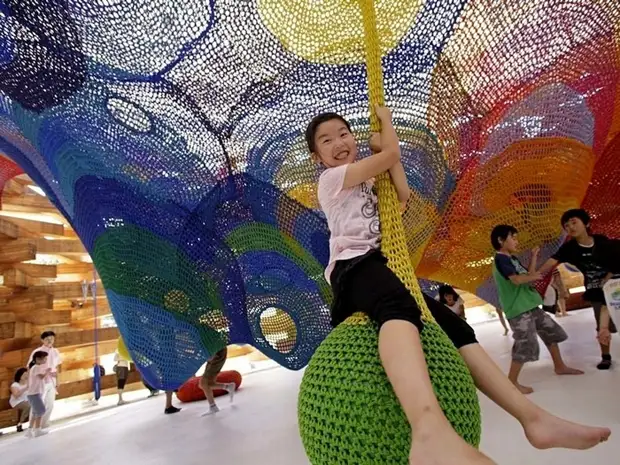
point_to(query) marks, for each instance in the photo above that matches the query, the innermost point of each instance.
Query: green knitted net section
(348, 412)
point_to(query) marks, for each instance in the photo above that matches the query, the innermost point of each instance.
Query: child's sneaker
(213, 409)
(40, 432)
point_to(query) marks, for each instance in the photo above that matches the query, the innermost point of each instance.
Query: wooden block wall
(36, 296)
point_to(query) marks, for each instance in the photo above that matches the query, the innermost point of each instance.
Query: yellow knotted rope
(393, 242)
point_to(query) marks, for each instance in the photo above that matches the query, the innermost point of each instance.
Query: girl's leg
(542, 429)
(374, 289)
(434, 440)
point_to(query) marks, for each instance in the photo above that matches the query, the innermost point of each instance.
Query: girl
(36, 388)
(449, 297)
(19, 397)
(362, 281)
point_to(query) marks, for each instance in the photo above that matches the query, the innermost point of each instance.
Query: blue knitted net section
(170, 135)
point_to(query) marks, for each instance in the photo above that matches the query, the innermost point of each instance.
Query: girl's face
(335, 145)
(41, 361)
(450, 299)
(24, 377)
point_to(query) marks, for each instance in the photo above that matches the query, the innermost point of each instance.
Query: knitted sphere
(348, 412)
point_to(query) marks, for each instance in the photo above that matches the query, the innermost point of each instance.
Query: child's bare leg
(228, 387)
(434, 440)
(542, 429)
(560, 367)
(206, 388)
(562, 307)
(513, 376)
(502, 320)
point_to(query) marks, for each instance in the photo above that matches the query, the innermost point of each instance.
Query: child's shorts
(526, 326)
(597, 314)
(36, 405)
(366, 284)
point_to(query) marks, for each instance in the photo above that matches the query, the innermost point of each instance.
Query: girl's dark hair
(19, 373)
(501, 232)
(578, 213)
(37, 355)
(445, 290)
(47, 334)
(316, 122)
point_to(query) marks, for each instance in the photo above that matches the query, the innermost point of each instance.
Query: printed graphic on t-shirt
(517, 264)
(592, 271)
(585, 259)
(369, 208)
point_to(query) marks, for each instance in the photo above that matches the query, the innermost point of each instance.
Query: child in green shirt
(521, 304)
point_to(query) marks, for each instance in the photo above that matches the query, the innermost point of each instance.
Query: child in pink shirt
(38, 371)
(362, 281)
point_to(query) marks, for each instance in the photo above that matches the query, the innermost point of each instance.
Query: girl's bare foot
(547, 431)
(566, 370)
(523, 389)
(442, 446)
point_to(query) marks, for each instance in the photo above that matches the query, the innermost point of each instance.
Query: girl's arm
(372, 166)
(397, 172)
(399, 178)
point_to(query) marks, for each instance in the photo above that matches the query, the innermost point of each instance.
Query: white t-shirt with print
(352, 216)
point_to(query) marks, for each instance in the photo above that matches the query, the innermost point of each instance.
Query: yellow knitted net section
(393, 242)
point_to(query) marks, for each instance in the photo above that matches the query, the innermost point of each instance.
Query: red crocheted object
(191, 392)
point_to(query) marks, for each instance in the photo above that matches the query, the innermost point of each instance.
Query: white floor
(260, 427)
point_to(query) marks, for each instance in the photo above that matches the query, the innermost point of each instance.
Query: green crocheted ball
(348, 412)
